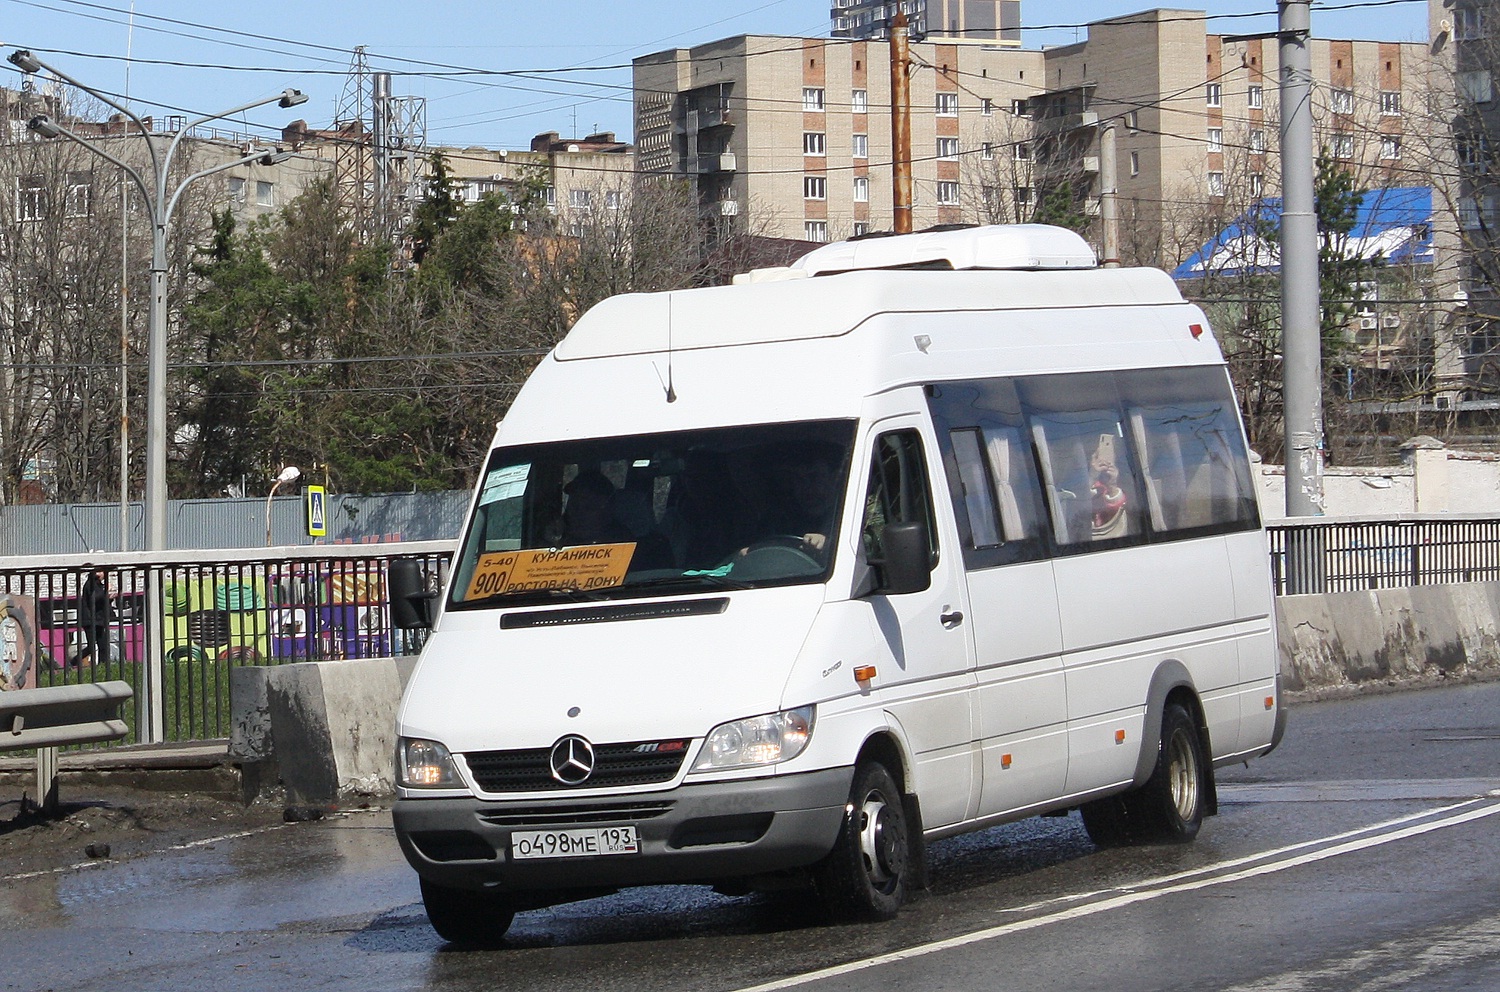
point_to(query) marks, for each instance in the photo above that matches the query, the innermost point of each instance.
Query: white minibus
(782, 581)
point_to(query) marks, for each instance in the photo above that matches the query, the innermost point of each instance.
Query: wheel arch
(1172, 683)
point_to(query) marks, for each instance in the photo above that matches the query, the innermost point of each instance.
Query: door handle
(951, 619)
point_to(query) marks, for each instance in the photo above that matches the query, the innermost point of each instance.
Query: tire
(1169, 808)
(465, 917)
(868, 872)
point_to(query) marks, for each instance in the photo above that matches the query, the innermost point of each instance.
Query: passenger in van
(1109, 514)
(706, 521)
(589, 517)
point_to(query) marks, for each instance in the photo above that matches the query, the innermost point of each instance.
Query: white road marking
(1449, 816)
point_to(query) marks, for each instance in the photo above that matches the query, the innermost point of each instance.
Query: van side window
(1187, 430)
(1087, 469)
(898, 491)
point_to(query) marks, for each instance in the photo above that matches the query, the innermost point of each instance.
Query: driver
(809, 489)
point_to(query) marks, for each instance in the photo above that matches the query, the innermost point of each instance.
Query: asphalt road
(1363, 855)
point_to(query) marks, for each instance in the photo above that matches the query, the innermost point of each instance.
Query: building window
(31, 197)
(861, 228)
(815, 230)
(987, 107)
(237, 190)
(987, 151)
(1215, 95)
(1258, 142)
(1475, 86)
(549, 196)
(812, 99)
(1020, 151)
(1133, 120)
(1390, 103)
(1019, 109)
(1342, 101)
(947, 193)
(1390, 146)
(1216, 139)
(861, 189)
(1343, 145)
(580, 199)
(1023, 197)
(1216, 184)
(612, 199)
(859, 101)
(1135, 163)
(814, 187)
(947, 148)
(1474, 153)
(1257, 184)
(1255, 96)
(79, 201)
(814, 143)
(861, 146)
(1468, 23)
(947, 104)
(265, 194)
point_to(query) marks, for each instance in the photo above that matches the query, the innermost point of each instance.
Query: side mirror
(411, 603)
(907, 566)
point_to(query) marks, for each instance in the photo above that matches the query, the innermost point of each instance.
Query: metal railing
(184, 620)
(1345, 555)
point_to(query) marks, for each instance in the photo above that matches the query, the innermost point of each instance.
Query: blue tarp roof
(1393, 224)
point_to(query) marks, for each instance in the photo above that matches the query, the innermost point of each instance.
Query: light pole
(160, 204)
(289, 473)
(161, 207)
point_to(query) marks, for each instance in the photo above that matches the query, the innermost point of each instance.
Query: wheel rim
(1183, 775)
(882, 841)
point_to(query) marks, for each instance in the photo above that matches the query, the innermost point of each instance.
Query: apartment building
(794, 133)
(1465, 47)
(977, 21)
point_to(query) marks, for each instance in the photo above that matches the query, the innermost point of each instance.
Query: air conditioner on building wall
(1391, 320)
(1367, 323)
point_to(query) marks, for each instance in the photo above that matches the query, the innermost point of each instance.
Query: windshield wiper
(711, 579)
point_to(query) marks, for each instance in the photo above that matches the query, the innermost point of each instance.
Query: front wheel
(866, 875)
(466, 917)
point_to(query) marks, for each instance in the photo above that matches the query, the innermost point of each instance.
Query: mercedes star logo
(572, 760)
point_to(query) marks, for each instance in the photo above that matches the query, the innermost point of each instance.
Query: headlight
(757, 740)
(422, 764)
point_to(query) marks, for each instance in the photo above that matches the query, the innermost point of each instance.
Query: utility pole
(1302, 357)
(1109, 209)
(900, 125)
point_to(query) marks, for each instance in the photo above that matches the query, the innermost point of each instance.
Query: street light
(289, 473)
(160, 205)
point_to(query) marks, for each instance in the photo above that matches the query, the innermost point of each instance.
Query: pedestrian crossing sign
(314, 503)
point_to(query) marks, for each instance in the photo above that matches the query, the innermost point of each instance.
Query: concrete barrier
(1350, 638)
(317, 732)
(325, 732)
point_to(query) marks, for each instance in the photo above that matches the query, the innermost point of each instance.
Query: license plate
(582, 843)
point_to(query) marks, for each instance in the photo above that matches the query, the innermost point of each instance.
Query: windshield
(690, 511)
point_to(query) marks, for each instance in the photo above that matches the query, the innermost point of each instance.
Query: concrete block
(1359, 629)
(1401, 647)
(362, 698)
(249, 714)
(1310, 654)
(1474, 605)
(1436, 622)
(299, 725)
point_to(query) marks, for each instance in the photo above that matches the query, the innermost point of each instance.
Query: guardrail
(181, 620)
(66, 714)
(1345, 554)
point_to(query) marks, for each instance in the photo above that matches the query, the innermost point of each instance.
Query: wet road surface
(1363, 855)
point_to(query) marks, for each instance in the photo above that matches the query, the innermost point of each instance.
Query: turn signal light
(864, 673)
(1270, 702)
(1119, 737)
(1005, 761)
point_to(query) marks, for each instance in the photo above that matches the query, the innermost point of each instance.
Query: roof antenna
(667, 384)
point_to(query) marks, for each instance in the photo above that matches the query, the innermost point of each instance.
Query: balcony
(722, 162)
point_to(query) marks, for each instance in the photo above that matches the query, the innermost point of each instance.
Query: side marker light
(1119, 737)
(1196, 330)
(864, 673)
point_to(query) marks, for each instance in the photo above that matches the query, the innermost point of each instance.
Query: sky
(490, 73)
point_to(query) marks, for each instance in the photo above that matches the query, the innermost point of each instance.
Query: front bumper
(693, 833)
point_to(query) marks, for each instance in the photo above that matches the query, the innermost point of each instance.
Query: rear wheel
(866, 875)
(467, 917)
(1169, 807)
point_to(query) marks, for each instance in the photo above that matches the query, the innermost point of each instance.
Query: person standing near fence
(94, 616)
